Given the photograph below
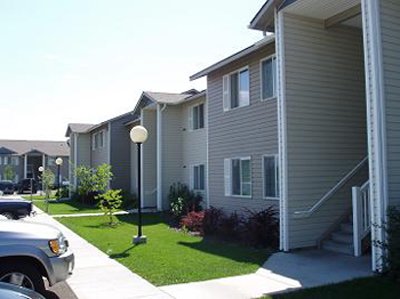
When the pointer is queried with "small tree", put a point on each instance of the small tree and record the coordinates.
(9, 173)
(48, 179)
(101, 177)
(110, 201)
(85, 180)
(92, 180)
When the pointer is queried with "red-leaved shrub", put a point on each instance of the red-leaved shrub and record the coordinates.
(212, 220)
(193, 221)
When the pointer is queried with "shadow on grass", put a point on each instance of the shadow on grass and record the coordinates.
(125, 253)
(147, 219)
(229, 250)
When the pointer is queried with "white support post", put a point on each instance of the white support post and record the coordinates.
(25, 166)
(357, 220)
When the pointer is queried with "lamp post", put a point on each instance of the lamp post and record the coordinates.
(59, 162)
(139, 135)
(41, 169)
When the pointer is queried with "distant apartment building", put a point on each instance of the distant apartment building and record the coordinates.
(25, 157)
(107, 142)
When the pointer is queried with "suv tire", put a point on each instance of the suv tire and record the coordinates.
(26, 275)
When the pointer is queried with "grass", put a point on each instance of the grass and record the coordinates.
(170, 256)
(65, 207)
(37, 197)
(364, 288)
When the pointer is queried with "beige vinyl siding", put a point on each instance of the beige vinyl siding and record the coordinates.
(249, 131)
(171, 150)
(194, 144)
(83, 149)
(99, 155)
(390, 29)
(120, 154)
(326, 121)
(149, 151)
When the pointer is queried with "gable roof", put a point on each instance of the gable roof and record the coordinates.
(50, 148)
(264, 18)
(169, 98)
(77, 128)
(261, 43)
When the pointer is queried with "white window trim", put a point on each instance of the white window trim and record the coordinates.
(192, 176)
(94, 140)
(251, 178)
(191, 118)
(276, 158)
(272, 56)
(238, 71)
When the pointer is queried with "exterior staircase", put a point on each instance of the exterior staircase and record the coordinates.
(341, 240)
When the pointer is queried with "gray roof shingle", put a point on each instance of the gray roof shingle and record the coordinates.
(51, 148)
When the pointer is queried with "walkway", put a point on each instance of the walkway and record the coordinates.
(282, 272)
(96, 276)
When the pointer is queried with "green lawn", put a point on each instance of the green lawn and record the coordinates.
(169, 257)
(364, 288)
(37, 197)
(69, 207)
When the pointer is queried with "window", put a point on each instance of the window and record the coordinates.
(237, 176)
(15, 161)
(98, 140)
(51, 161)
(6, 160)
(271, 176)
(236, 89)
(268, 78)
(198, 117)
(198, 177)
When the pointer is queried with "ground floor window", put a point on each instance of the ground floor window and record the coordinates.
(198, 177)
(238, 176)
(271, 176)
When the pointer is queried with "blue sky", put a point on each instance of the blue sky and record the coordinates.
(89, 60)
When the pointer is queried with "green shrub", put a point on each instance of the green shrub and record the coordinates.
(129, 201)
(182, 200)
(63, 192)
(109, 202)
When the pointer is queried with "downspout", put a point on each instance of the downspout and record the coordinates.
(159, 155)
(75, 159)
(109, 148)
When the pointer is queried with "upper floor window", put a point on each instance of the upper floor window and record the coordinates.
(98, 140)
(268, 78)
(198, 117)
(236, 89)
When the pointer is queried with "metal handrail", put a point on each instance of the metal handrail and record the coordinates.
(331, 192)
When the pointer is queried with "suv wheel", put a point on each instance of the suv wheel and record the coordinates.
(8, 215)
(24, 275)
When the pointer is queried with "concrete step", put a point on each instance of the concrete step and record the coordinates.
(338, 247)
(342, 237)
(346, 227)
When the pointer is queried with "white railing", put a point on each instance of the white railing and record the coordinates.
(332, 191)
(361, 216)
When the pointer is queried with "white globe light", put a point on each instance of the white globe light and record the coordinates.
(138, 134)
(41, 168)
(59, 161)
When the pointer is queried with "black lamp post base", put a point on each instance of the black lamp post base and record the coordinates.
(139, 240)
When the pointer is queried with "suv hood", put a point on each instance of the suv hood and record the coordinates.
(27, 230)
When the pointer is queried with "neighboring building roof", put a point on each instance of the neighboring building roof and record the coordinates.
(110, 120)
(165, 97)
(77, 128)
(21, 147)
(261, 43)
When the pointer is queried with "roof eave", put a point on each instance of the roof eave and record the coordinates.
(238, 55)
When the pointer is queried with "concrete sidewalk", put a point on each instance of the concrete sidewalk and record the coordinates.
(282, 272)
(96, 276)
